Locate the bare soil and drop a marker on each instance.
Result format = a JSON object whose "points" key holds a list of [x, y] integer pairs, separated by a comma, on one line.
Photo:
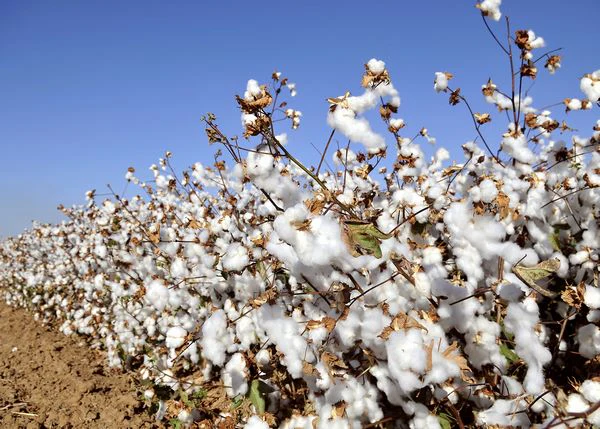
{"points": [[49, 380]]}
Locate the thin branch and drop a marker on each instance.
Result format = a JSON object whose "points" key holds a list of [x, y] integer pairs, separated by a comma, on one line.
{"points": [[493, 35], [325, 151]]}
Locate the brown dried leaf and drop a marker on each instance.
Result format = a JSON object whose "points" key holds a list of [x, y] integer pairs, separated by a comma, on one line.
{"points": [[502, 201], [363, 172], [573, 296], [489, 88], [309, 369], [482, 118], [522, 40], [315, 206], [553, 62], [429, 353], [529, 69], [453, 354], [454, 97], [302, 225], [339, 101], [338, 409], [253, 106], [531, 120]]}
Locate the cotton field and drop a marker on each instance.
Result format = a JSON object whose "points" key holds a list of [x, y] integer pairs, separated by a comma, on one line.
{"points": [[392, 289]]}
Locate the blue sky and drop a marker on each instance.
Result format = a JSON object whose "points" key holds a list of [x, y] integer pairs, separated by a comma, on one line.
{"points": [[88, 89]]}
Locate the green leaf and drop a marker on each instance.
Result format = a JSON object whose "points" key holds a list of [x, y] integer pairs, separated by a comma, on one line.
{"points": [[445, 420], [509, 354], [531, 275], [184, 398], [198, 395], [175, 423], [554, 241], [257, 394], [365, 237]]}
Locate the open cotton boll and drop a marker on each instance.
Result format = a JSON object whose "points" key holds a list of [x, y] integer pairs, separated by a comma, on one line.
{"points": [[215, 338], [590, 86], [356, 129], [157, 295], [406, 359], [505, 413], [521, 319], [588, 337], [285, 333], [252, 90], [482, 343], [255, 422], [491, 8], [517, 148], [376, 66], [488, 189], [319, 245], [235, 258], [175, 337], [590, 390], [298, 422], [441, 82], [235, 375], [179, 268], [591, 297]]}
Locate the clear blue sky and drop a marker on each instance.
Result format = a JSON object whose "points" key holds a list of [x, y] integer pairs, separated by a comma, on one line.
{"points": [[88, 89]]}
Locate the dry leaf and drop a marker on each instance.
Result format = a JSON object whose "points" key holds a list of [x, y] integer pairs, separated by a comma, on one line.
{"points": [[339, 101], [482, 118], [454, 97], [452, 353], [489, 88], [531, 275], [529, 69], [400, 321], [573, 296]]}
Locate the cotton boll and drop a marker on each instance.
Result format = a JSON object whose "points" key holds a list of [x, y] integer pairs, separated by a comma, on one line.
{"points": [[521, 319], [175, 337], [356, 129], [157, 295], [503, 413], [432, 256], [518, 149], [573, 104], [588, 337], [489, 192], [235, 258], [284, 332], [591, 297], [397, 123], [590, 86], [376, 66], [482, 347], [491, 8], [179, 268], [263, 357], [406, 358], [590, 390], [255, 422], [215, 340], [252, 90], [235, 375], [441, 82], [299, 422]]}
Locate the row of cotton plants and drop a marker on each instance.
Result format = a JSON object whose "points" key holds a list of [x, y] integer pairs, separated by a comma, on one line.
{"points": [[379, 289]]}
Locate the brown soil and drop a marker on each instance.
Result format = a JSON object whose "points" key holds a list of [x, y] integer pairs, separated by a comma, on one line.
{"points": [[48, 380]]}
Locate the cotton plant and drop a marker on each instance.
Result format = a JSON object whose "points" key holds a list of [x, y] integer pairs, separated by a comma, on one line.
{"points": [[382, 287]]}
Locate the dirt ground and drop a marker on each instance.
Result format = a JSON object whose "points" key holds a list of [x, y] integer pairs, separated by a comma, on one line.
{"points": [[48, 380]]}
